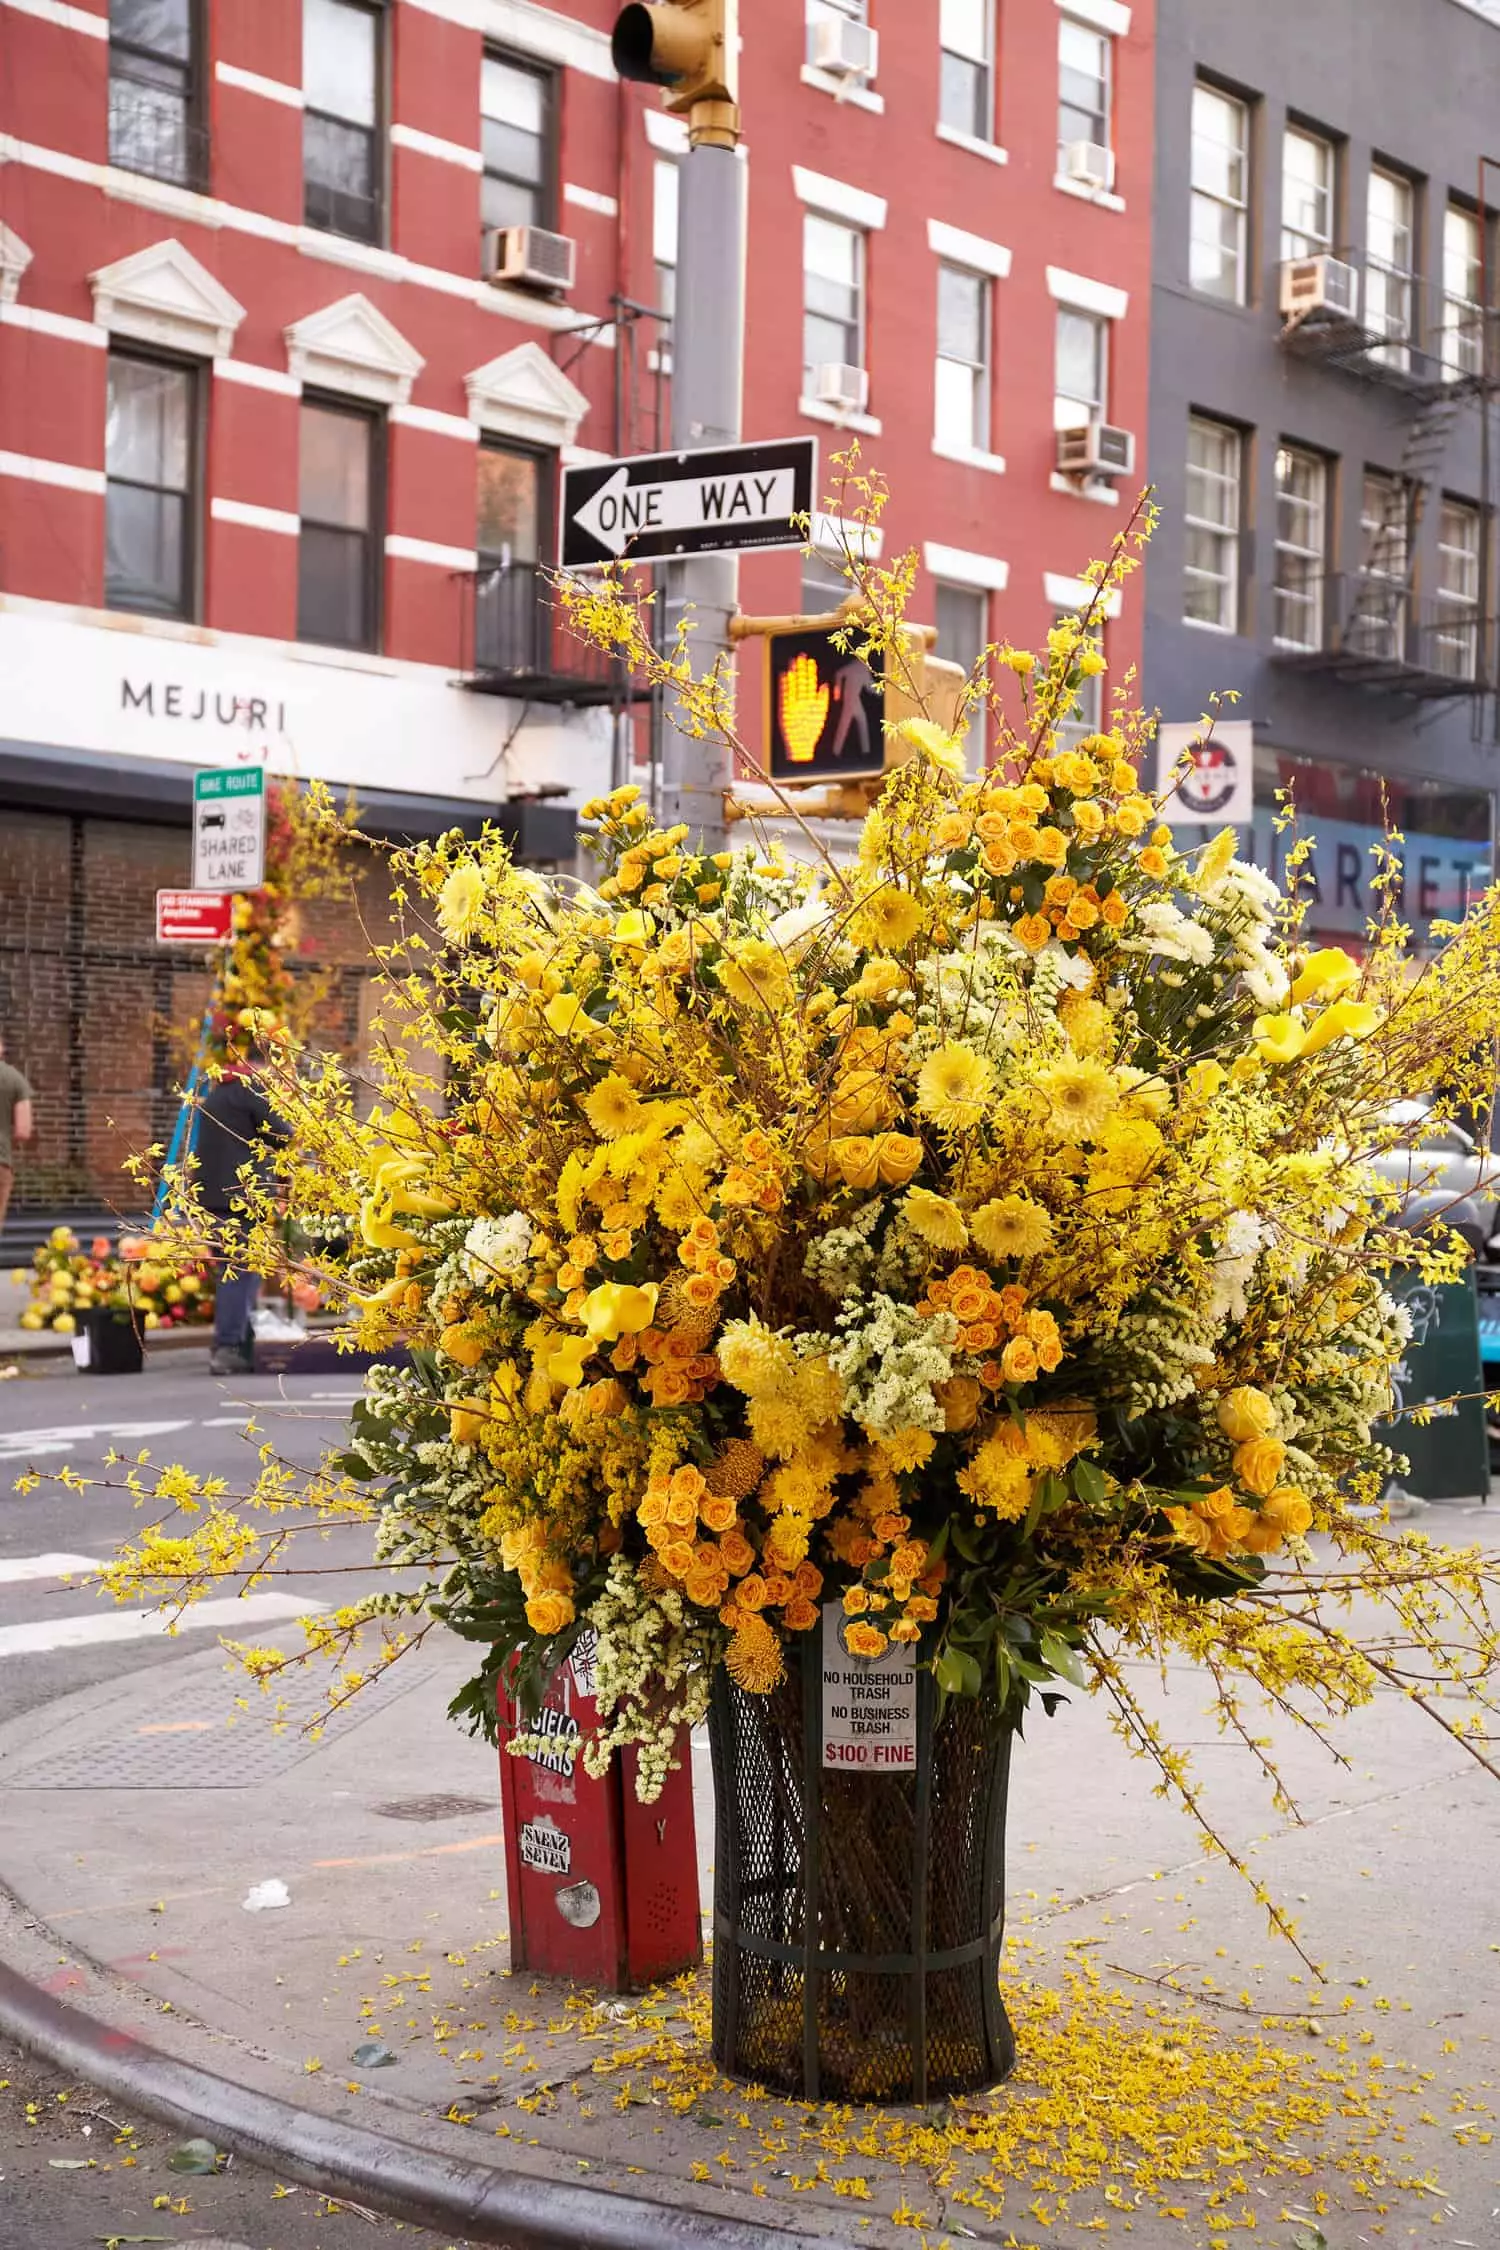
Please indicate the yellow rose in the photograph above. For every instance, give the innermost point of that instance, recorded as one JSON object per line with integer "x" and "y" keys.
{"x": 899, "y": 1156}
{"x": 549, "y": 1613}
{"x": 1245, "y": 1413}
{"x": 467, "y": 1418}
{"x": 463, "y": 1344}
{"x": 858, "y": 1159}
{"x": 1258, "y": 1462}
{"x": 1289, "y": 1508}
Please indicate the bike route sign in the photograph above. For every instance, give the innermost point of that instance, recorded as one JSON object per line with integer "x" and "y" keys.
{"x": 229, "y": 829}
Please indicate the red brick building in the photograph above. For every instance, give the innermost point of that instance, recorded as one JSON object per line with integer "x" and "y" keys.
{"x": 279, "y": 452}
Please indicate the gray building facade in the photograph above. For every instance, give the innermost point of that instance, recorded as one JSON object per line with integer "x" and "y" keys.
{"x": 1322, "y": 425}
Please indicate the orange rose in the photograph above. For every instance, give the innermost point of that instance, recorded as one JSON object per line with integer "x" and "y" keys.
{"x": 1033, "y": 931}
{"x": 1019, "y": 1360}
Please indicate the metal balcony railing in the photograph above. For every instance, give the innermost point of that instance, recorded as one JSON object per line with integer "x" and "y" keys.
{"x": 1370, "y": 631}
{"x": 1381, "y": 321}
{"x": 520, "y": 642}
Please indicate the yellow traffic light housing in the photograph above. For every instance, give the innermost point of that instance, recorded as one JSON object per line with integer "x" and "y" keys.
{"x": 688, "y": 47}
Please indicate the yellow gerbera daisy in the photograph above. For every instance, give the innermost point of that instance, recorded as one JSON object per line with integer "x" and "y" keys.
{"x": 1081, "y": 1093}
{"x": 1011, "y": 1226}
{"x": 953, "y": 1086}
{"x": 614, "y": 1107}
{"x": 934, "y": 1219}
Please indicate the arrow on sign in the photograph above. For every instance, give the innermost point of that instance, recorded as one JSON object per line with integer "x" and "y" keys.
{"x": 621, "y": 511}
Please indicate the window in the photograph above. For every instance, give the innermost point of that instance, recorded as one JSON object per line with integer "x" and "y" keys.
{"x": 511, "y": 619}
{"x": 510, "y": 506}
{"x": 1377, "y": 618}
{"x": 1085, "y": 714}
{"x": 516, "y": 110}
{"x": 153, "y": 90}
{"x": 1307, "y": 189}
{"x": 962, "y": 390}
{"x": 824, "y": 586}
{"x": 966, "y": 102}
{"x": 1301, "y": 546}
{"x": 1220, "y": 194}
{"x": 962, "y": 637}
{"x": 341, "y": 154}
{"x": 665, "y": 182}
{"x": 833, "y": 264}
{"x": 1463, "y": 322}
{"x": 1211, "y": 589}
{"x": 338, "y": 562}
{"x": 1456, "y": 636}
{"x": 1081, "y": 380}
{"x": 1083, "y": 76}
{"x": 150, "y": 461}
{"x": 1389, "y": 277}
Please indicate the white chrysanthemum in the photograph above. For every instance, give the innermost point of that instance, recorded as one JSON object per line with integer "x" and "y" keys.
{"x": 497, "y": 1247}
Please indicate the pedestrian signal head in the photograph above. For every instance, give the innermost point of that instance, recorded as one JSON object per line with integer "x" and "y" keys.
{"x": 689, "y": 47}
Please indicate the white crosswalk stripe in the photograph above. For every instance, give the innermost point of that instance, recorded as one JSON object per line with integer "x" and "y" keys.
{"x": 17, "y": 1445}
{"x": 37, "y": 1638}
{"x": 24, "y": 1567}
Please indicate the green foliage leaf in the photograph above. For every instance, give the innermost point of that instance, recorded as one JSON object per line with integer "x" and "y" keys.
{"x": 195, "y": 2156}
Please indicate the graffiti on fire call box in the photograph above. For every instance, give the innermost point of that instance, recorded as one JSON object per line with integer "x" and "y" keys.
{"x": 545, "y": 1847}
{"x": 869, "y": 1703}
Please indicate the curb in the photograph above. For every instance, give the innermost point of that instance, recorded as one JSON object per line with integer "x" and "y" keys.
{"x": 513, "y": 2209}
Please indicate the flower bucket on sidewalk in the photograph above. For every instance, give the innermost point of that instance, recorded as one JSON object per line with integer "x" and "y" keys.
{"x": 859, "y": 1883}
{"x": 107, "y": 1342}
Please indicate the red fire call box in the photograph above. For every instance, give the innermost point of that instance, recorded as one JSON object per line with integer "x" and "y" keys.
{"x": 602, "y": 1889}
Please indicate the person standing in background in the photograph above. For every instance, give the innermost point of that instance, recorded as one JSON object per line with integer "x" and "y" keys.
{"x": 235, "y": 1131}
{"x": 16, "y": 1123}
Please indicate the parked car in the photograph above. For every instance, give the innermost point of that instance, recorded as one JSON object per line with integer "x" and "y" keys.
{"x": 1442, "y": 1165}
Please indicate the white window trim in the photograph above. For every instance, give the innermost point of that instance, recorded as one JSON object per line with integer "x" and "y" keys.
{"x": 1105, "y": 199}
{"x": 530, "y": 30}
{"x": 351, "y": 348}
{"x": 974, "y": 251}
{"x": 838, "y": 200}
{"x": 991, "y": 151}
{"x": 15, "y": 257}
{"x": 1102, "y": 15}
{"x": 251, "y": 82}
{"x": 401, "y": 549}
{"x": 1099, "y": 297}
{"x": 970, "y": 455}
{"x": 67, "y": 474}
{"x": 66, "y": 18}
{"x": 1076, "y": 595}
{"x": 429, "y": 144}
{"x": 1084, "y": 488}
{"x": 667, "y": 135}
{"x": 523, "y": 394}
{"x": 62, "y": 326}
{"x": 838, "y": 537}
{"x": 255, "y": 518}
{"x": 986, "y": 574}
{"x": 435, "y": 423}
{"x": 257, "y": 378}
{"x": 162, "y": 295}
{"x": 842, "y": 90}
{"x": 839, "y": 418}
{"x": 590, "y": 199}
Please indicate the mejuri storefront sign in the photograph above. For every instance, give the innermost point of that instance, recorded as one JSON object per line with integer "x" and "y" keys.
{"x": 657, "y": 505}
{"x": 229, "y": 829}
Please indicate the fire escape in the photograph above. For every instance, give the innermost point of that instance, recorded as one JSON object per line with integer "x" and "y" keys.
{"x": 1362, "y": 318}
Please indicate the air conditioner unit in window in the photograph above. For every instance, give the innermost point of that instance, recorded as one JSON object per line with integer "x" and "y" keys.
{"x": 847, "y": 388}
{"x": 1095, "y": 449}
{"x": 534, "y": 258}
{"x": 1089, "y": 164}
{"x": 844, "y": 49}
{"x": 1314, "y": 287}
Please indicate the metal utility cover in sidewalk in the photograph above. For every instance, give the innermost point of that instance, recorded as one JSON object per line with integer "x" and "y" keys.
{"x": 658, "y": 505}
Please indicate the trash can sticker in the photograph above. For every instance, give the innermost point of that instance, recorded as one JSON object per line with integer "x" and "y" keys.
{"x": 869, "y": 1703}
{"x": 546, "y": 1847}
{"x": 580, "y": 1905}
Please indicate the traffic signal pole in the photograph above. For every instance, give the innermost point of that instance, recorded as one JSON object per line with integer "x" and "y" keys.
{"x": 690, "y": 48}
{"x": 708, "y": 359}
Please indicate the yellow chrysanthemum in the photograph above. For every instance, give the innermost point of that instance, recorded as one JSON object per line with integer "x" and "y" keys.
{"x": 460, "y": 900}
{"x": 753, "y": 1658}
{"x": 614, "y": 1107}
{"x": 953, "y": 1086}
{"x": 1080, "y": 1094}
{"x": 888, "y": 921}
{"x": 934, "y": 744}
{"x": 1011, "y": 1226}
{"x": 934, "y": 1219}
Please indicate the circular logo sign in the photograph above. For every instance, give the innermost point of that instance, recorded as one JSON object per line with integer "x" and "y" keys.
{"x": 1211, "y": 779}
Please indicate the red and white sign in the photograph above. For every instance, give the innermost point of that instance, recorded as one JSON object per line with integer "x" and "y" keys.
{"x": 193, "y": 917}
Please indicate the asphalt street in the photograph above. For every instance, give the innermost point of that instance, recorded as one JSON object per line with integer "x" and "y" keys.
{"x": 58, "y": 1631}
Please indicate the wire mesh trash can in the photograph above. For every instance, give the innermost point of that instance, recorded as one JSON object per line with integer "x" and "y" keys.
{"x": 858, "y": 1915}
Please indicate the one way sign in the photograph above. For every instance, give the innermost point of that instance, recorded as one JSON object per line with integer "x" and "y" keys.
{"x": 662, "y": 504}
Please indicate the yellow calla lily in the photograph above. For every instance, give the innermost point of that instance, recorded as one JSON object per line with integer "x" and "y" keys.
{"x": 1278, "y": 1039}
{"x": 417, "y": 1205}
{"x": 561, "y": 1358}
{"x": 376, "y": 1229}
{"x": 615, "y": 1309}
{"x": 634, "y": 928}
{"x": 1346, "y": 1019}
{"x": 1326, "y": 974}
{"x": 562, "y": 1015}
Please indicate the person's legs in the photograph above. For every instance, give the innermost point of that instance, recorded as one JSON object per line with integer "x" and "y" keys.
{"x": 234, "y": 1338}
{"x": 6, "y": 1176}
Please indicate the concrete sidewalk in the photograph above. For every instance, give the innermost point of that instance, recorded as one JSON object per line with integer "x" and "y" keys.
{"x": 1182, "y": 2078}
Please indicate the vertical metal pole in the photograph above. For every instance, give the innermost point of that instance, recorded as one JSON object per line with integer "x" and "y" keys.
{"x": 708, "y": 358}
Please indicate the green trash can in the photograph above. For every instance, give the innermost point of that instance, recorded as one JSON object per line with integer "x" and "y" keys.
{"x": 1450, "y": 1455}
